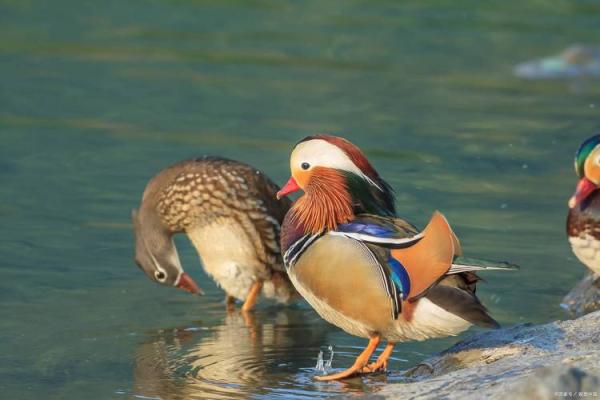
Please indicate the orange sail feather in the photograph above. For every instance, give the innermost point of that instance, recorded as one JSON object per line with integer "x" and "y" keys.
{"x": 431, "y": 258}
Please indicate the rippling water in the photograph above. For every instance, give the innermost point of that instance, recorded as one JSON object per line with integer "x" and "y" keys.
{"x": 95, "y": 97}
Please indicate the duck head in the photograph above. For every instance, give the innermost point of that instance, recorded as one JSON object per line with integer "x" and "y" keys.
{"x": 587, "y": 167}
{"x": 156, "y": 255}
{"x": 338, "y": 182}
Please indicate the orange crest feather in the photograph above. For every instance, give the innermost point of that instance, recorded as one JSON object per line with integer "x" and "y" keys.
{"x": 326, "y": 202}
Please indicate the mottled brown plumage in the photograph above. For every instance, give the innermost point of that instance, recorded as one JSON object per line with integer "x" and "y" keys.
{"x": 230, "y": 213}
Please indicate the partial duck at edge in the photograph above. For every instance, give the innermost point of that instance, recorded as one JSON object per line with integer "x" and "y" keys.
{"x": 583, "y": 220}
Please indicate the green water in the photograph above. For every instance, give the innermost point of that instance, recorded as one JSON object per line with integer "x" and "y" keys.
{"x": 96, "y": 97}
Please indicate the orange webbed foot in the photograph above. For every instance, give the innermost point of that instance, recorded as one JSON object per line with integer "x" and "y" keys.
{"x": 340, "y": 375}
{"x": 382, "y": 360}
{"x": 357, "y": 367}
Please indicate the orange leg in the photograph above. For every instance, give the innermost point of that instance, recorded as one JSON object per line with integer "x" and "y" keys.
{"x": 382, "y": 360}
{"x": 358, "y": 365}
{"x": 252, "y": 296}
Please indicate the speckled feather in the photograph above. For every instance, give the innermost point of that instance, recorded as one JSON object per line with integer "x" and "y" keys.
{"x": 213, "y": 192}
{"x": 208, "y": 188}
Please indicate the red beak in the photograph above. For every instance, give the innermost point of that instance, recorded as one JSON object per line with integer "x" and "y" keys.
{"x": 187, "y": 283}
{"x": 583, "y": 190}
{"x": 290, "y": 187}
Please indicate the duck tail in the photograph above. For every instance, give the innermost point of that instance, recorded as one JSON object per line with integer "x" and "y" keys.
{"x": 467, "y": 264}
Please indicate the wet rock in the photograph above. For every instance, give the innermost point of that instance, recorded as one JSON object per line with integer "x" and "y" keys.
{"x": 552, "y": 382}
{"x": 584, "y": 297}
{"x": 522, "y": 362}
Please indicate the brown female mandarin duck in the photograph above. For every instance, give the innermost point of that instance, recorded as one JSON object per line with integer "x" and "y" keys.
{"x": 583, "y": 221}
{"x": 229, "y": 212}
{"x": 366, "y": 270}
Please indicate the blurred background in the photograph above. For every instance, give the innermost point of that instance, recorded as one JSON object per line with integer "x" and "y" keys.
{"x": 96, "y": 97}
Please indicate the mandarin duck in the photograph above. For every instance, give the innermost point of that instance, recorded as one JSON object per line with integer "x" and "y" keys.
{"x": 229, "y": 212}
{"x": 364, "y": 269}
{"x": 583, "y": 221}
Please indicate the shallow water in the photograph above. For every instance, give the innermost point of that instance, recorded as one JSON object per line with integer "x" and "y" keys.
{"x": 96, "y": 97}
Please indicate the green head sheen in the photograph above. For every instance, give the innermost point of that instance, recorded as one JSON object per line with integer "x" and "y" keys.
{"x": 583, "y": 152}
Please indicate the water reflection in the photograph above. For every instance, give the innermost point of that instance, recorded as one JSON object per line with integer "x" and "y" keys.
{"x": 242, "y": 354}
{"x": 97, "y": 96}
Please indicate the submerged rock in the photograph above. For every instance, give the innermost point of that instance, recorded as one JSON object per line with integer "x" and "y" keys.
{"x": 522, "y": 362}
{"x": 584, "y": 297}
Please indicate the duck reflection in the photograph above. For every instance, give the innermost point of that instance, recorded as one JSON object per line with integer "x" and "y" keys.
{"x": 246, "y": 353}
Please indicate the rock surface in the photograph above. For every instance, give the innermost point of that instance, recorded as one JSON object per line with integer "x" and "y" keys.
{"x": 522, "y": 362}
{"x": 584, "y": 297}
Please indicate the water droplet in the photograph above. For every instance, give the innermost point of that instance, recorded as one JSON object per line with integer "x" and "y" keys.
{"x": 319, "y": 367}
{"x": 322, "y": 365}
{"x": 328, "y": 363}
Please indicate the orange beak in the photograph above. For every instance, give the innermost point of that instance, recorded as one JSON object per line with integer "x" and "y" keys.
{"x": 584, "y": 188}
{"x": 290, "y": 187}
{"x": 187, "y": 283}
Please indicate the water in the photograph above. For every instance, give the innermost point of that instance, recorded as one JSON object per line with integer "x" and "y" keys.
{"x": 323, "y": 366}
{"x": 96, "y": 97}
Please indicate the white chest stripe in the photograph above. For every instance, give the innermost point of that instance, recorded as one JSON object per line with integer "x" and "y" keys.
{"x": 379, "y": 240}
{"x": 295, "y": 251}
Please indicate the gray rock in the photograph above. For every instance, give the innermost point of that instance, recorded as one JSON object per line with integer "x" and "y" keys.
{"x": 522, "y": 362}
{"x": 584, "y": 297}
{"x": 552, "y": 382}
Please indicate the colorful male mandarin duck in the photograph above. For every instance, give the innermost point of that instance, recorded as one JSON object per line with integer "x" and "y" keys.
{"x": 229, "y": 212}
{"x": 583, "y": 222}
{"x": 366, "y": 270}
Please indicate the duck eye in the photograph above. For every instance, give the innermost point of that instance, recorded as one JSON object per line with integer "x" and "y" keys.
{"x": 305, "y": 165}
{"x": 160, "y": 276}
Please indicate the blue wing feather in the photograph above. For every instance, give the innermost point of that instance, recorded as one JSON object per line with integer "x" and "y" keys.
{"x": 367, "y": 229}
{"x": 400, "y": 276}
{"x": 383, "y": 232}
{"x": 377, "y": 233}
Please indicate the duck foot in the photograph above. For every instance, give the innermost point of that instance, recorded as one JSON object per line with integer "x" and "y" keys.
{"x": 359, "y": 364}
{"x": 382, "y": 360}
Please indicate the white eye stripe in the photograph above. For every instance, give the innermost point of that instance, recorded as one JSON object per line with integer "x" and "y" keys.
{"x": 159, "y": 269}
{"x": 319, "y": 152}
{"x": 160, "y": 275}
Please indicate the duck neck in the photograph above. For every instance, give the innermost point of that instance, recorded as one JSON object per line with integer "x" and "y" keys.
{"x": 325, "y": 204}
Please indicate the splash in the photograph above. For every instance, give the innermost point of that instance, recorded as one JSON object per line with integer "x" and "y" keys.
{"x": 322, "y": 365}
